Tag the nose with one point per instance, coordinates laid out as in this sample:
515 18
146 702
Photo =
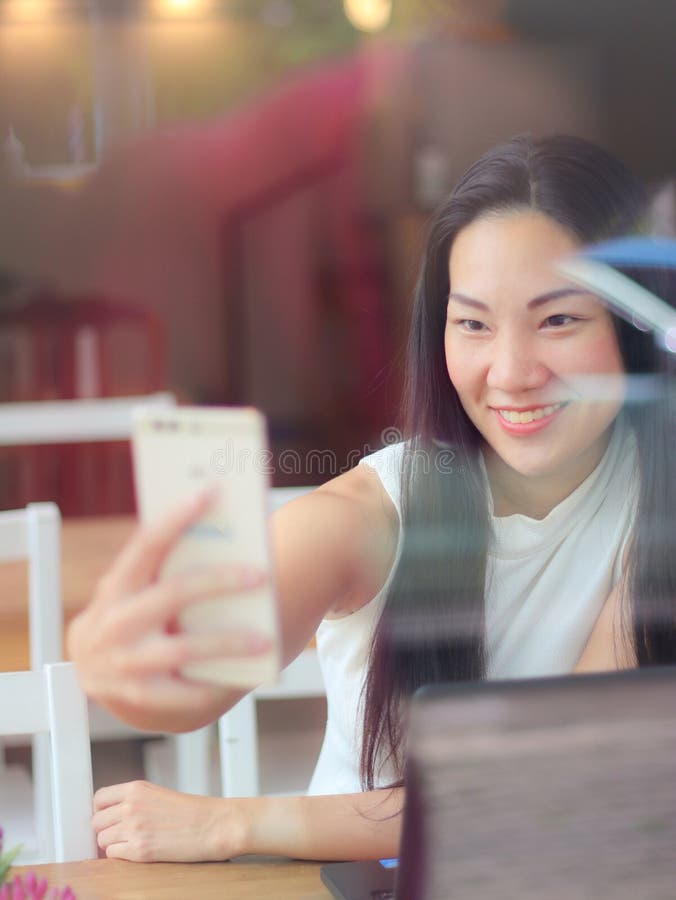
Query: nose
516 364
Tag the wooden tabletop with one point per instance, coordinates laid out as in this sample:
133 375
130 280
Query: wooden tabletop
250 879
88 547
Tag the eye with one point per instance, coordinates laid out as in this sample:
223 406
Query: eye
559 321
472 325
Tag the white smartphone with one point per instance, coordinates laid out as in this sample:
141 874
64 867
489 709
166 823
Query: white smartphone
178 451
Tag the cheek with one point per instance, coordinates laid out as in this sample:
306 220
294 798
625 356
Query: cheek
452 366
603 350
606 357
593 368
596 350
462 366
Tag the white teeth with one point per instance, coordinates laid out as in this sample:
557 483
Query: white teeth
531 415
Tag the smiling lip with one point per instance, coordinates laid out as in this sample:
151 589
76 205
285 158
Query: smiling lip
525 428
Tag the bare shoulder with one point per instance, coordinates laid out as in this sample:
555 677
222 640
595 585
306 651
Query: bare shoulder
364 496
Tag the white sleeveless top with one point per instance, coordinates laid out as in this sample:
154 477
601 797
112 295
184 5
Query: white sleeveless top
547 580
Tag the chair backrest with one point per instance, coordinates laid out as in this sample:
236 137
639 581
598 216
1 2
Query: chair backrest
73 421
34 534
72 475
49 701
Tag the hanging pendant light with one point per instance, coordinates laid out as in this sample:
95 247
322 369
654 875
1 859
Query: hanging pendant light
27 11
368 15
178 8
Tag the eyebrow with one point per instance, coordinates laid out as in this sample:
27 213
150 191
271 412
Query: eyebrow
532 304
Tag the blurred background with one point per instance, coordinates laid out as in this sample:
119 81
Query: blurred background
226 199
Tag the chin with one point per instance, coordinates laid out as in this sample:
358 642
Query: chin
534 469
537 462
547 471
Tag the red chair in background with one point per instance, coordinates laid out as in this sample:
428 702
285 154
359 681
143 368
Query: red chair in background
67 349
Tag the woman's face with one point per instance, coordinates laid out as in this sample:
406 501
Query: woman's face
524 347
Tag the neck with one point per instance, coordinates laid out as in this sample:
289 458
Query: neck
536 495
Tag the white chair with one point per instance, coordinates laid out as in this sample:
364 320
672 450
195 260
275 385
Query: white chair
34 534
48 701
237 729
73 421
51 422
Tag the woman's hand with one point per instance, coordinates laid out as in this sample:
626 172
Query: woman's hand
142 822
128 647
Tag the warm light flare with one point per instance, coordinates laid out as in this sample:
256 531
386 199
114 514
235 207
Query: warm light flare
368 15
18 11
176 8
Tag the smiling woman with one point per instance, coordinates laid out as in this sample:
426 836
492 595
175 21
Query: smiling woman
545 522
520 530
512 364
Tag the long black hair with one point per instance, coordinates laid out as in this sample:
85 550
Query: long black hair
432 625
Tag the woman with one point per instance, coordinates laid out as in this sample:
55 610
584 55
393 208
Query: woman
511 536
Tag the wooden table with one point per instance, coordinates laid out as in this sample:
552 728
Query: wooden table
248 879
88 547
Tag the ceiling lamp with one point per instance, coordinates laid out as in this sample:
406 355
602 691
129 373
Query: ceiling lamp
368 15
17 11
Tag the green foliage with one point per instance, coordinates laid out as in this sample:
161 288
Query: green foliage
6 861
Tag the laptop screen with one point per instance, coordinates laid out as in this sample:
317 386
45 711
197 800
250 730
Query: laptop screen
552 788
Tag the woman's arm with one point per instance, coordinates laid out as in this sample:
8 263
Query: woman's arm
145 823
331 552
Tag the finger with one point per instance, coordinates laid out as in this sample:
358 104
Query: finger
165 653
111 795
148 547
106 818
113 837
166 599
122 850
107 837
127 841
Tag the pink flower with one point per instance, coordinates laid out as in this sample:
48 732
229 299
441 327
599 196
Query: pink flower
27 887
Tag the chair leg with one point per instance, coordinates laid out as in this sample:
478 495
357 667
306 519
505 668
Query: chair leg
71 772
43 807
238 739
193 761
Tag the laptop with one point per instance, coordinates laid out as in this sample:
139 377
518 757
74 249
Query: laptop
556 788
